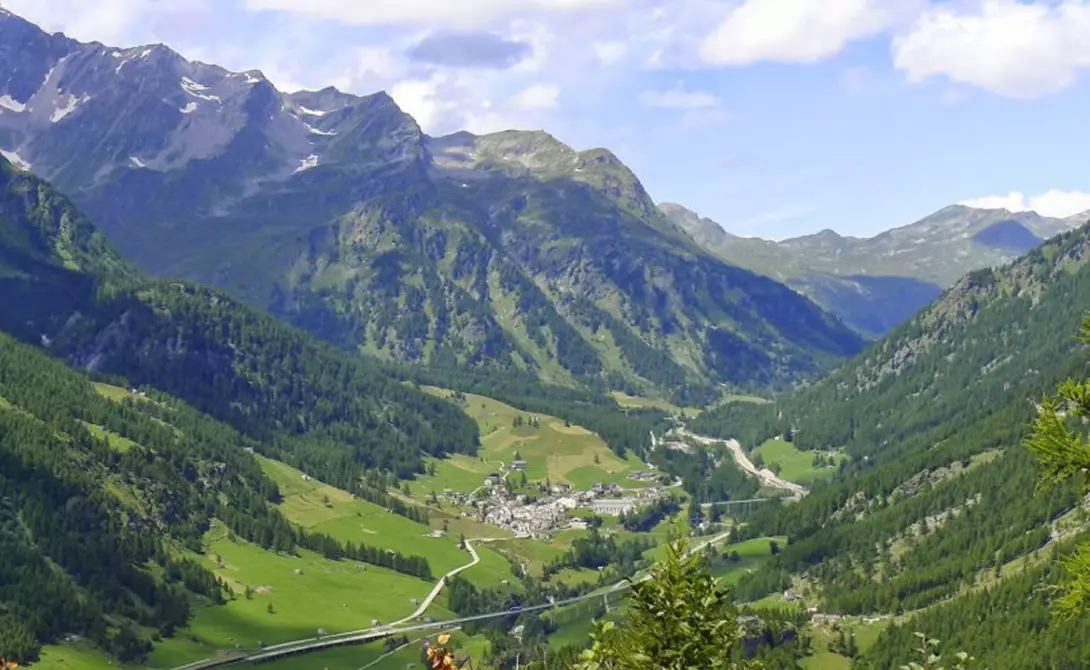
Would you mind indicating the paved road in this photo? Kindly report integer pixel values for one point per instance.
(426, 603)
(765, 476)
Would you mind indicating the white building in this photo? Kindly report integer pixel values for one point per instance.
(613, 506)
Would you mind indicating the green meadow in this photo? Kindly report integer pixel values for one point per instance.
(795, 466)
(751, 554)
(554, 451)
(116, 442)
(329, 510)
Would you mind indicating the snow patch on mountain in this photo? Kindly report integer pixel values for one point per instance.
(189, 108)
(8, 102)
(196, 90)
(312, 112)
(70, 106)
(190, 85)
(307, 163)
(325, 133)
(15, 159)
(136, 162)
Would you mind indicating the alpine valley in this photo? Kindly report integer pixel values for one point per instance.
(286, 382)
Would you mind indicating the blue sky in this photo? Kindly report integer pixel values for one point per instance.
(774, 117)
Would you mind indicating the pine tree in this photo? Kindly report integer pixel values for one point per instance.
(677, 620)
(1064, 454)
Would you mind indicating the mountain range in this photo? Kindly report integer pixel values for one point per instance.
(510, 252)
(874, 284)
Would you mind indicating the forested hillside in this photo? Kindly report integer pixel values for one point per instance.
(328, 411)
(993, 334)
(103, 501)
(938, 495)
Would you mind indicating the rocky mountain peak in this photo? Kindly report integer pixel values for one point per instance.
(509, 251)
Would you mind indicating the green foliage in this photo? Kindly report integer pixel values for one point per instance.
(930, 660)
(643, 519)
(677, 620)
(1058, 441)
(596, 552)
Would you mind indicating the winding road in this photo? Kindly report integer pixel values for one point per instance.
(765, 476)
(426, 603)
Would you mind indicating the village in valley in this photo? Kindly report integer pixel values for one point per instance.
(549, 507)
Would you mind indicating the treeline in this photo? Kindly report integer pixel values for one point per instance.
(596, 551)
(307, 402)
(331, 548)
(643, 519)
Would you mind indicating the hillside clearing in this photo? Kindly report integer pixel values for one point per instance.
(554, 450)
(795, 465)
(330, 510)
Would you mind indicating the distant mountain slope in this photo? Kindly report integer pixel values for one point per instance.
(63, 286)
(510, 252)
(877, 283)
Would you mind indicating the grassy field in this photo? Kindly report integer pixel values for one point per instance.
(826, 660)
(329, 510)
(752, 553)
(374, 656)
(306, 593)
(77, 657)
(866, 634)
(115, 393)
(561, 453)
(637, 402)
(492, 571)
(116, 442)
(796, 466)
(335, 595)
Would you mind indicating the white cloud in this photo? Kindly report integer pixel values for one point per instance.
(434, 12)
(1053, 203)
(679, 98)
(799, 31)
(113, 21)
(535, 96)
(611, 52)
(420, 99)
(1015, 49)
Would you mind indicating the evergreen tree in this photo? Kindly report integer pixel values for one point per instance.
(1059, 441)
(677, 620)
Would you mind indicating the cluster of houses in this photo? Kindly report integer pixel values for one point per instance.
(536, 518)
